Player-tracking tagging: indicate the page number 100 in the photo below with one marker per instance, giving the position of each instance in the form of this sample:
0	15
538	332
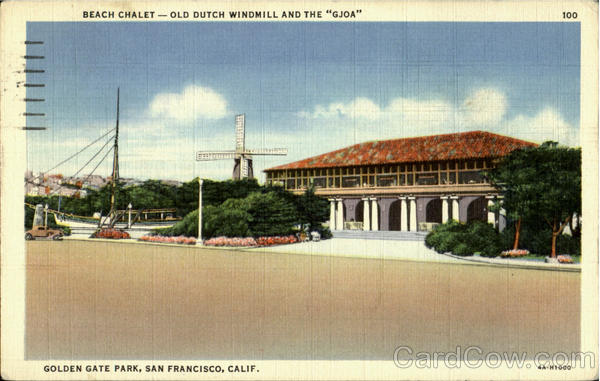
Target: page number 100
569	15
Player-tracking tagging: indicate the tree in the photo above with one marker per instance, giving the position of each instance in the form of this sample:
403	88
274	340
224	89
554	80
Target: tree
312	209
541	183
271	214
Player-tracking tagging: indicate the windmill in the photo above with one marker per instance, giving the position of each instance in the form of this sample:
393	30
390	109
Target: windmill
242	157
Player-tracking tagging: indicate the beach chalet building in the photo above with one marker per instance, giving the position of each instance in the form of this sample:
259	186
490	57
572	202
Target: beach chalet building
408	184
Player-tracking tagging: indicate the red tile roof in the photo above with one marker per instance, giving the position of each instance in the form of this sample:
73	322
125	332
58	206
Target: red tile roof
458	146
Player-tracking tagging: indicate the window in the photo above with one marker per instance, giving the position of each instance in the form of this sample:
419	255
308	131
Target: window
319	182
470	177
443	178
386	181
427	179
350	181
452	178
402	179
291	184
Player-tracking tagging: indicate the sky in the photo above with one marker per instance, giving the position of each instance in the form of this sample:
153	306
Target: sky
308	87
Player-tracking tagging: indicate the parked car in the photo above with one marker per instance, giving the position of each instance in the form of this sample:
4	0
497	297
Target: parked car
43	232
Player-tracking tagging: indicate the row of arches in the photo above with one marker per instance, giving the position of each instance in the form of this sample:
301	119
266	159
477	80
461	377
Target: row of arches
476	210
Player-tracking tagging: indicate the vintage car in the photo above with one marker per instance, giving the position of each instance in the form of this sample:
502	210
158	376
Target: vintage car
43	232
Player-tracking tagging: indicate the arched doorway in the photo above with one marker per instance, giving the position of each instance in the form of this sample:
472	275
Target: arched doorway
477	210
433	211
395	215
360	207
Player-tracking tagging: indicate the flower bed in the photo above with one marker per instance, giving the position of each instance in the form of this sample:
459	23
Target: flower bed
250	242
514	253
564	258
111	234
277	240
227	241
160	239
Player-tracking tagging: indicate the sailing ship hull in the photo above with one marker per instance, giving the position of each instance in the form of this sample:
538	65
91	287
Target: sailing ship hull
137	230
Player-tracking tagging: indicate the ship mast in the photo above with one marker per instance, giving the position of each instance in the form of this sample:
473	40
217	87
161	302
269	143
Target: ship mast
115	169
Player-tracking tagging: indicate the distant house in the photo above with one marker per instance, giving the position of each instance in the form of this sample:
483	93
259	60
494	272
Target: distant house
407	184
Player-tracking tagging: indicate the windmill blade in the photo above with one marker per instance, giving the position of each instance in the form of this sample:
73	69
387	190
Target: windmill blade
214	155
267	151
240	132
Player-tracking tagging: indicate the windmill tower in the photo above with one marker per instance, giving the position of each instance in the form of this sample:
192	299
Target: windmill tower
242	157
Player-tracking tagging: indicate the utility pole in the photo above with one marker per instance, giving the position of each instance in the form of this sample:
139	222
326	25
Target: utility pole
199	241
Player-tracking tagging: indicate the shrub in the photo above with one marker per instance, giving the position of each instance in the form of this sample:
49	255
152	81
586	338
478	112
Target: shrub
448	241
483	238
465	239
462	249
259	214
444	237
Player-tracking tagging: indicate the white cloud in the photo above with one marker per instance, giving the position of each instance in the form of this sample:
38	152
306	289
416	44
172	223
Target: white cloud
484	107
192	103
548	124
400	112
362	108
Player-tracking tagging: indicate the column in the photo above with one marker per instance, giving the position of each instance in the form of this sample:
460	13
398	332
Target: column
403	215
375	211
413	214
332	214
491	216
444	209
366	214
455	209
340	215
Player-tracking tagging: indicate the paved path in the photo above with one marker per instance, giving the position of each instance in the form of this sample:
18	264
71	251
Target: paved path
386	235
384	249
412	250
365	248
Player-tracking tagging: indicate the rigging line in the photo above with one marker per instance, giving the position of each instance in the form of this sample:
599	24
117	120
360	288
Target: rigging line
90	160
91	173
97	165
75	154
85	165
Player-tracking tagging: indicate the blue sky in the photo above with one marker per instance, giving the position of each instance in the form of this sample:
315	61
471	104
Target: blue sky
308	87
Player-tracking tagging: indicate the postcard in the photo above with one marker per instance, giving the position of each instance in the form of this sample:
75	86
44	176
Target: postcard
299	190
